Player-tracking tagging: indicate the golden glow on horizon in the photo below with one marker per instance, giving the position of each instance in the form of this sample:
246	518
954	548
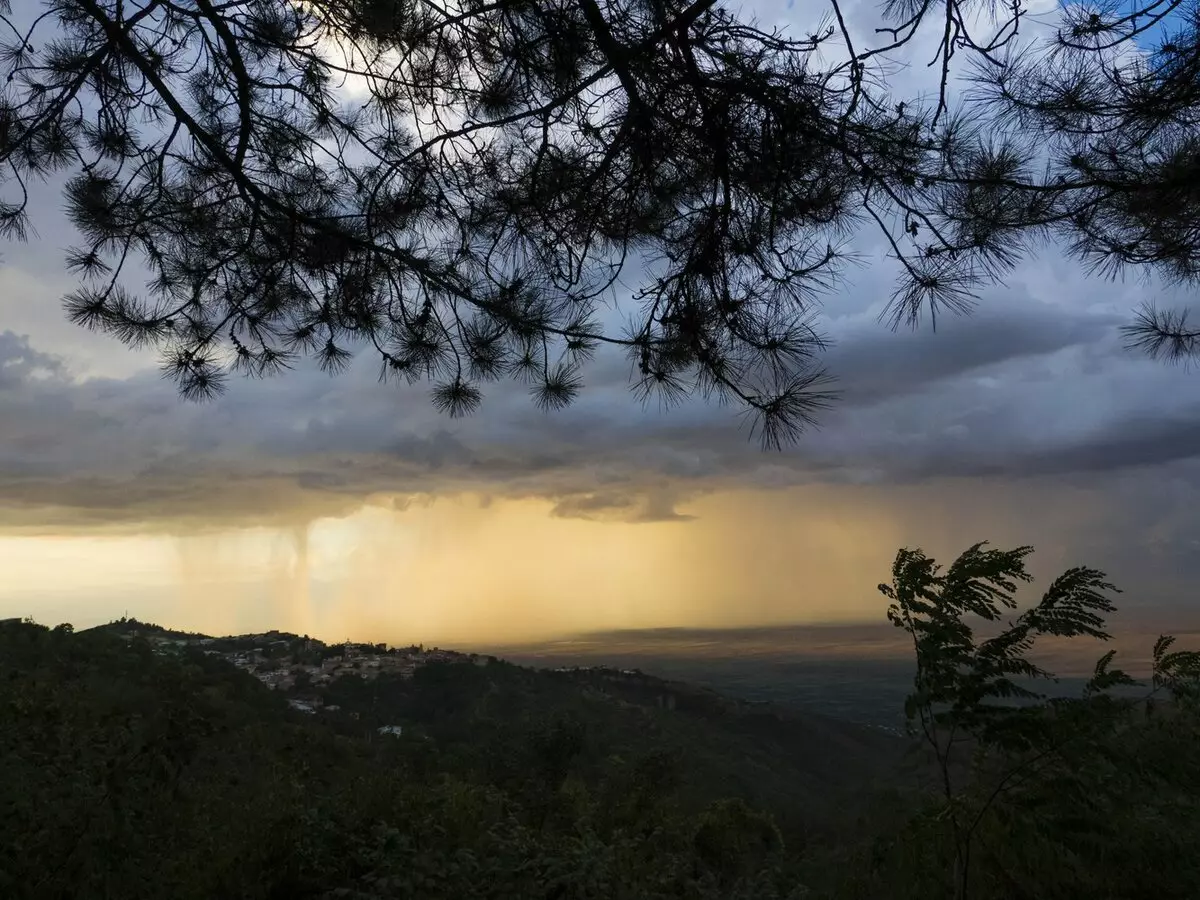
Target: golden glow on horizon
455	569
458	570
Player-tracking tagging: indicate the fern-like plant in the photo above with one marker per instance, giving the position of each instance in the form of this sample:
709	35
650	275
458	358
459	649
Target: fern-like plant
979	693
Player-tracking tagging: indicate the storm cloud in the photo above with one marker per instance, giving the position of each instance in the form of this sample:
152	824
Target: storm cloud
1026	421
1023	388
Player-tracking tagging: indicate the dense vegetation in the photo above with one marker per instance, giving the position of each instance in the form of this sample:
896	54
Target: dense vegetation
1094	796
129	772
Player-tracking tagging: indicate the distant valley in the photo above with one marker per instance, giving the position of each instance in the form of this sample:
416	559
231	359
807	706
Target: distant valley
857	672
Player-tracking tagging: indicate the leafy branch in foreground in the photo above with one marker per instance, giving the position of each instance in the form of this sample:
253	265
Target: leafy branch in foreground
457	188
979	693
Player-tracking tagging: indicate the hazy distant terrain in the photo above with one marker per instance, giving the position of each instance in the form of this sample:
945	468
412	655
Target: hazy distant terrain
861	673
853	673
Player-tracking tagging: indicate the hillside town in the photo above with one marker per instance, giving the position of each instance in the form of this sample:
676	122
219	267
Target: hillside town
289	662
302	667
289	669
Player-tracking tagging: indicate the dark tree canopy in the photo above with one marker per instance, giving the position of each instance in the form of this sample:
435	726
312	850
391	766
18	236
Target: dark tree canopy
460	186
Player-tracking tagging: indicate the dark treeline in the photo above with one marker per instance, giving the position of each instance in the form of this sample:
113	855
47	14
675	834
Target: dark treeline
127	771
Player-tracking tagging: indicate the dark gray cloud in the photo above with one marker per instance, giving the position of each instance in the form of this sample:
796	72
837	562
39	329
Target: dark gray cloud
1034	384
20	362
1023	388
874	363
652	504
1137	442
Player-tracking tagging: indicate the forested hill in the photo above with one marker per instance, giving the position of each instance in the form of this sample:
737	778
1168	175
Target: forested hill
136	762
799	765
139	762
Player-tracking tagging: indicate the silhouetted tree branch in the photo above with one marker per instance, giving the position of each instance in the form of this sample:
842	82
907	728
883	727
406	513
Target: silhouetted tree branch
459	187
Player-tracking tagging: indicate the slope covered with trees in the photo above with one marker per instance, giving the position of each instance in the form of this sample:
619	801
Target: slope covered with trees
135	773
129	772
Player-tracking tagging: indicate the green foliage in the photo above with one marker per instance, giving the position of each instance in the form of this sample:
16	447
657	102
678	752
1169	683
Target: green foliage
961	683
733	840
1059	797
136	773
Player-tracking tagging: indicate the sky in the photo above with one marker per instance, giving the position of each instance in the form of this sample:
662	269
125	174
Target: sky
344	508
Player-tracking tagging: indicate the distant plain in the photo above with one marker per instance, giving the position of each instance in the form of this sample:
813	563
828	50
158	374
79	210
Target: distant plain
858	672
